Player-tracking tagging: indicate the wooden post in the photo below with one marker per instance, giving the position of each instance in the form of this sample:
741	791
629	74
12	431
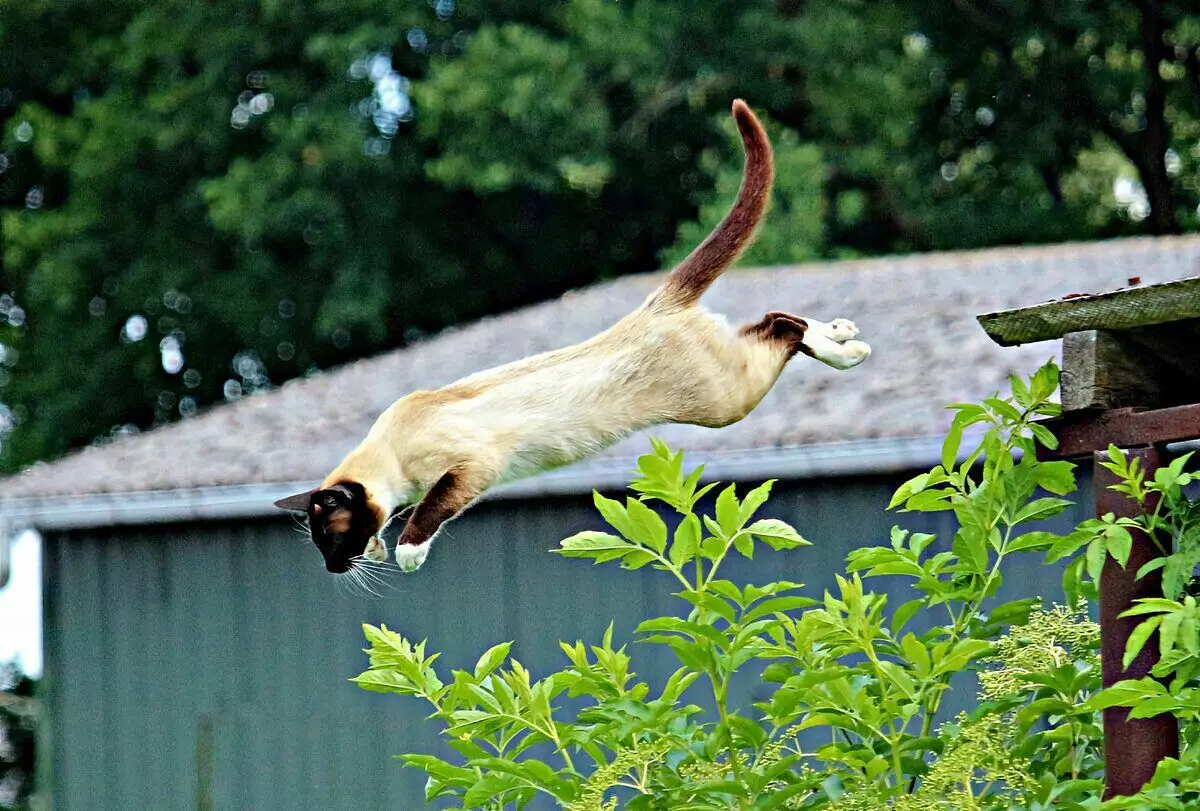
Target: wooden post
1131	378
1134	747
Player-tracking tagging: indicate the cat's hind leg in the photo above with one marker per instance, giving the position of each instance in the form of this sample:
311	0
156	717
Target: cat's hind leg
833	343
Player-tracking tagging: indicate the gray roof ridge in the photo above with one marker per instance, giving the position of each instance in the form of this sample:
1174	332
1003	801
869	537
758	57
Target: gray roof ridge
915	300
239	501
952	258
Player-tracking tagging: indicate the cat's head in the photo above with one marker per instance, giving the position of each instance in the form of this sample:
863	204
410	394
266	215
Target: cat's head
342	518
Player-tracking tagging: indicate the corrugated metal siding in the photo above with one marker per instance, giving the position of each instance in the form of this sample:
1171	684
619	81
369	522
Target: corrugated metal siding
205	666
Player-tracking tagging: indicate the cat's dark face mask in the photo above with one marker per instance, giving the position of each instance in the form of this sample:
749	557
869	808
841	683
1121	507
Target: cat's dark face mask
342	520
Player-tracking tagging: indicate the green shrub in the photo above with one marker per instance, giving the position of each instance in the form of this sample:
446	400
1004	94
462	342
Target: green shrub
846	665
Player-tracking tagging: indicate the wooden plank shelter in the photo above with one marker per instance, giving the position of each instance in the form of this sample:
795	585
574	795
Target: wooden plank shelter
1131	378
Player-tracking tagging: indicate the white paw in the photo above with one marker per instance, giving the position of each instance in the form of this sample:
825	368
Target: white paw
852	354
375	550
842	330
409	558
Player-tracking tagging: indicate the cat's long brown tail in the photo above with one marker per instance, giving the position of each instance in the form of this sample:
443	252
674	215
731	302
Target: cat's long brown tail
688	281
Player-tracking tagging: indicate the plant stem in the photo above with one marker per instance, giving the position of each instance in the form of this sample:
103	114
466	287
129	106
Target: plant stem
720	690
728	545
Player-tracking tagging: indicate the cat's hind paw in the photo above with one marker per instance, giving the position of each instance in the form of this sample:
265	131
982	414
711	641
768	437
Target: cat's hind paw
848	355
841	330
409	558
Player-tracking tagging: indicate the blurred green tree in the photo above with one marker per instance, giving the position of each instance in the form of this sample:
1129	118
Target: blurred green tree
201	200
18	720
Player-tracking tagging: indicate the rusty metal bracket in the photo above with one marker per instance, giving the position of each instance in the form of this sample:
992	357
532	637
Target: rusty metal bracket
1080	433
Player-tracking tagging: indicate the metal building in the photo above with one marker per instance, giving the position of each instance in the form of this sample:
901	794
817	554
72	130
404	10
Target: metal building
197	654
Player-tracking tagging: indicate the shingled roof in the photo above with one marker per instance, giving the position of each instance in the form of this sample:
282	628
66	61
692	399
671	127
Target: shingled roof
916	311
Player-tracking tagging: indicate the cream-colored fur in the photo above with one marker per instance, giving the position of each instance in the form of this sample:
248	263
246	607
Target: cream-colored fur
686	366
669	361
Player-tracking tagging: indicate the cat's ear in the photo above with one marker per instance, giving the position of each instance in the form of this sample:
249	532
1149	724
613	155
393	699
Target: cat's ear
298	502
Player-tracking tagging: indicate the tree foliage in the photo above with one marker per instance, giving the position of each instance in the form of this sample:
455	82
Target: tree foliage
199	201
18	722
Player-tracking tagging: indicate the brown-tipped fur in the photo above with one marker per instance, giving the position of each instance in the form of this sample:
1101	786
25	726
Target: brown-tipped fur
688	281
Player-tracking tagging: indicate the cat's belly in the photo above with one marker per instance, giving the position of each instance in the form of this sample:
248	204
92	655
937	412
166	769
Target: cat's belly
547	453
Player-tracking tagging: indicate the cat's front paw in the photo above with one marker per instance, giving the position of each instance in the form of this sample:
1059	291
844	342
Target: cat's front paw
409	557
376	550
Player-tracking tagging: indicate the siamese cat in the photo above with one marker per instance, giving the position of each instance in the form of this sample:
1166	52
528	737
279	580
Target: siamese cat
669	361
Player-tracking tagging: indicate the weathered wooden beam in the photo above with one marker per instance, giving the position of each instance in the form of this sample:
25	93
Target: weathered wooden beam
1149	367
1120	309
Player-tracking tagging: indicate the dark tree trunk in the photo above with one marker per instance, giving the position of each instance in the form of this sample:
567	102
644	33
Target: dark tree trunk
1156	137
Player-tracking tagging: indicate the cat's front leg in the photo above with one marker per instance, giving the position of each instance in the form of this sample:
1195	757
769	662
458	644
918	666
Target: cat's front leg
452	494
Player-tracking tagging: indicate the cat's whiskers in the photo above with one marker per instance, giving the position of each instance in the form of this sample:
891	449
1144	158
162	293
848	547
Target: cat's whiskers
362	583
301	527
370	574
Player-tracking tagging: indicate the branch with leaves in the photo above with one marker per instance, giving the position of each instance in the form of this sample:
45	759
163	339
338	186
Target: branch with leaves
851	689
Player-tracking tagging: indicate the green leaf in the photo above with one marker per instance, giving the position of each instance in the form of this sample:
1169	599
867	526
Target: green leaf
1119	544
650	529
951	444
776	534
491	659
905	613
616	516
1181	565
1150	566
1137	639
777	605
971	547
1040	508
1044	381
385	681
1126	693
1069	545
1020	391
711	602
1032	540
753	500
488	787
1096	553
930	501
905	491
744	543
1168	632
1045	436
1005	409
1055	477
728	510
686	542
597	545
636	559
917	655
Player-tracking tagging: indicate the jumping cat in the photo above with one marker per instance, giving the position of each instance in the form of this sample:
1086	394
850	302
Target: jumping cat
669	361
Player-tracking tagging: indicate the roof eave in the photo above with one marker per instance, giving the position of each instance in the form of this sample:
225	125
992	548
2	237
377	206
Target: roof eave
836	459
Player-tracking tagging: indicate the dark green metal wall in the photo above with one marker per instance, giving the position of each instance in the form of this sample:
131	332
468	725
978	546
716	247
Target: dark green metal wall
205	665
